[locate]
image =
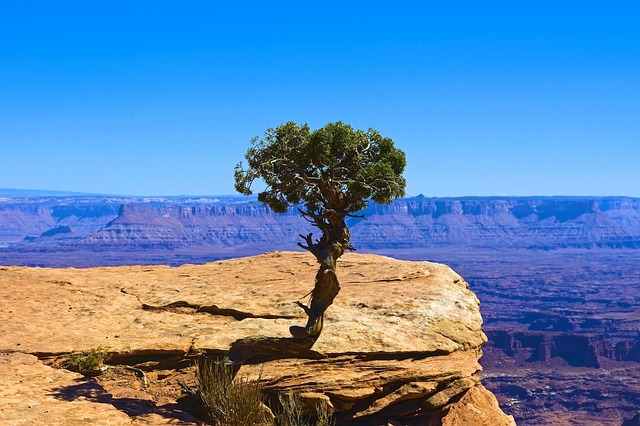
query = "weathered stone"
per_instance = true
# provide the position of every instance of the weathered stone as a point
(33, 394)
(401, 339)
(317, 400)
(478, 407)
(385, 306)
(413, 390)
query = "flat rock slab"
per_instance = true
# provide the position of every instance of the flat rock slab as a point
(385, 306)
(401, 340)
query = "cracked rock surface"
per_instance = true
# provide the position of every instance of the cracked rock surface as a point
(400, 344)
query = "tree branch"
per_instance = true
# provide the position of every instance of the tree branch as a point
(356, 216)
(311, 247)
(304, 307)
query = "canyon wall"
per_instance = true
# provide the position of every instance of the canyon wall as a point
(516, 222)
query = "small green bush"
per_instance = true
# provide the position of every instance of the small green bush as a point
(85, 361)
(228, 401)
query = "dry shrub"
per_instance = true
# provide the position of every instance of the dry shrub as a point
(324, 415)
(295, 413)
(228, 401)
(292, 413)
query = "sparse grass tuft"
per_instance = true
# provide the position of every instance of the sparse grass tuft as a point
(230, 402)
(294, 413)
(241, 402)
(85, 361)
(324, 415)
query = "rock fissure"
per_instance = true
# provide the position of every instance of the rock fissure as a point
(143, 359)
(125, 291)
(184, 307)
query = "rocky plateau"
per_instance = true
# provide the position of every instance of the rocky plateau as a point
(558, 277)
(400, 344)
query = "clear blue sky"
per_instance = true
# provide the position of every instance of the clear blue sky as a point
(162, 98)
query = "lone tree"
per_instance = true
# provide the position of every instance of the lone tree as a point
(329, 174)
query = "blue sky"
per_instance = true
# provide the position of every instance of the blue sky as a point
(162, 98)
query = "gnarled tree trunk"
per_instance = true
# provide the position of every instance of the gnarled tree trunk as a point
(327, 250)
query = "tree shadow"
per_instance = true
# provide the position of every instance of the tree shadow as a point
(87, 388)
(259, 349)
(135, 407)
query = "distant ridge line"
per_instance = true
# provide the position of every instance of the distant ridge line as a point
(43, 193)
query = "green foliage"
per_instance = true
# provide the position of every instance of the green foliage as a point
(86, 361)
(334, 168)
(228, 401)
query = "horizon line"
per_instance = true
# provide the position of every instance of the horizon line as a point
(41, 193)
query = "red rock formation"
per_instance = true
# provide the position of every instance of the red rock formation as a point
(526, 222)
(400, 344)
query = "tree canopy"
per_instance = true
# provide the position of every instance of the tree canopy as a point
(331, 169)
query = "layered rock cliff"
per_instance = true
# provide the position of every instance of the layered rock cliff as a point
(563, 332)
(233, 224)
(172, 226)
(400, 344)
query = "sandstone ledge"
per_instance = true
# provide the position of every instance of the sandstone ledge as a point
(401, 340)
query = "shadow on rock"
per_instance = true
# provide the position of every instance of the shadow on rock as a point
(135, 407)
(259, 349)
(87, 388)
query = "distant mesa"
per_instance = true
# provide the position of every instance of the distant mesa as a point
(238, 226)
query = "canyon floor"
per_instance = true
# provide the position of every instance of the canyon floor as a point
(563, 329)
